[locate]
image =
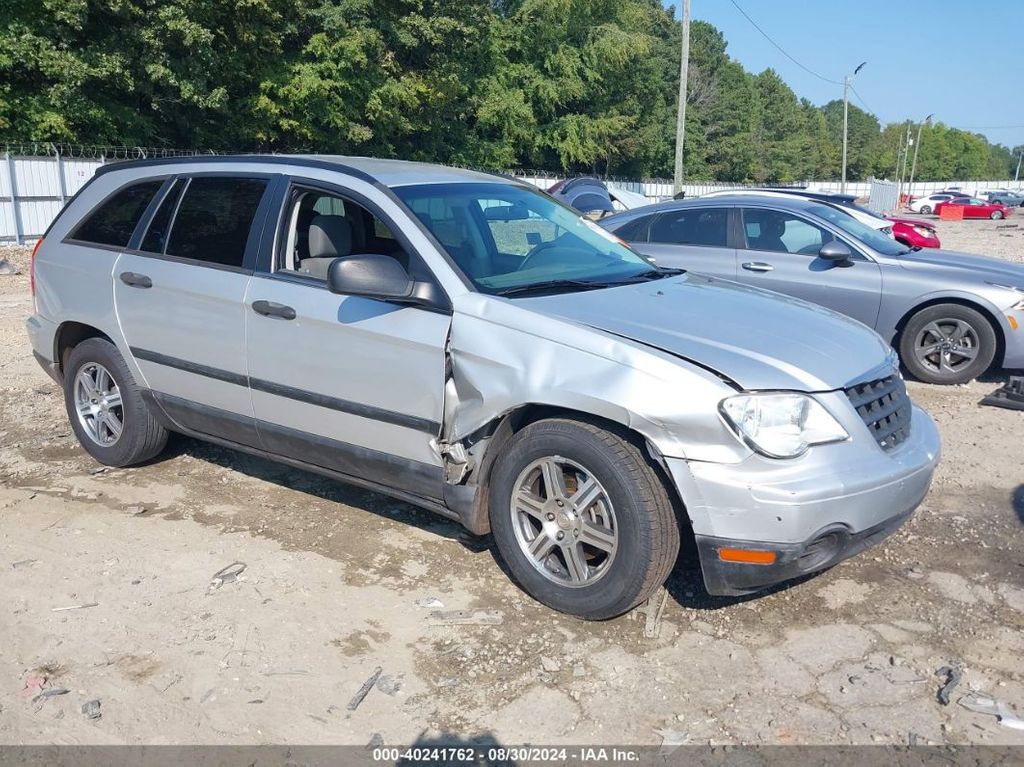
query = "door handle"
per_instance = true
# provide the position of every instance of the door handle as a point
(757, 266)
(270, 309)
(136, 280)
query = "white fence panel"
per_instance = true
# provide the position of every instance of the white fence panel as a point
(41, 186)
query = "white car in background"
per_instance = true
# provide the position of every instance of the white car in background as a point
(860, 213)
(927, 203)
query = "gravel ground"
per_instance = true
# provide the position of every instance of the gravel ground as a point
(999, 239)
(337, 580)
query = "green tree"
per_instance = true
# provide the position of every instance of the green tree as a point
(562, 85)
(863, 133)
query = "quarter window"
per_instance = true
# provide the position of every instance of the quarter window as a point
(213, 220)
(113, 222)
(692, 226)
(635, 230)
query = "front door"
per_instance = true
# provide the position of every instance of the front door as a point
(346, 383)
(781, 254)
(180, 293)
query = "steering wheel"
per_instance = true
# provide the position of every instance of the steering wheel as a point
(534, 252)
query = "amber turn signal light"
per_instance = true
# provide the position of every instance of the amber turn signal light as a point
(747, 556)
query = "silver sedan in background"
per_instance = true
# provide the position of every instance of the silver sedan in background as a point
(950, 316)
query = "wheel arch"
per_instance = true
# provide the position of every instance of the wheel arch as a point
(71, 333)
(977, 306)
(502, 428)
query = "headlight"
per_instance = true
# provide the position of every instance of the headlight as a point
(781, 425)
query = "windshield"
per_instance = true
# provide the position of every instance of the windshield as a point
(506, 238)
(873, 238)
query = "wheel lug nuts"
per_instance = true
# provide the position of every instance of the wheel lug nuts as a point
(559, 503)
(576, 533)
(560, 535)
(551, 517)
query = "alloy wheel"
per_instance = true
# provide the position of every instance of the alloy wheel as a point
(98, 404)
(946, 346)
(564, 522)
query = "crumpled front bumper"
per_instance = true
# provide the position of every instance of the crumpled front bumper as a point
(828, 547)
(812, 512)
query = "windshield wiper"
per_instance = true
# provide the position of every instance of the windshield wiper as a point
(655, 273)
(538, 287)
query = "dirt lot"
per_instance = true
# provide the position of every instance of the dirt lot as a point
(335, 578)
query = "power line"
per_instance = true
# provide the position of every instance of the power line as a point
(987, 127)
(863, 103)
(780, 48)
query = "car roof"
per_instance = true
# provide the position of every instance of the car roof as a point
(788, 202)
(390, 173)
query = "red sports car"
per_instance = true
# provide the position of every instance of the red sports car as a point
(974, 208)
(915, 234)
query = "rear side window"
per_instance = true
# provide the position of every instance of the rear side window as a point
(113, 222)
(213, 220)
(695, 226)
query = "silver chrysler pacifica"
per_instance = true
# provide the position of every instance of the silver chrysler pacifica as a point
(462, 341)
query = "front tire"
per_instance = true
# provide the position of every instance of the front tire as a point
(106, 409)
(582, 519)
(996, 215)
(947, 344)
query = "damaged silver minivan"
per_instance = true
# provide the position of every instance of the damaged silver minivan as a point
(462, 341)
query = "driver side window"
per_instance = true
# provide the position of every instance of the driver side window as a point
(324, 226)
(516, 232)
(778, 232)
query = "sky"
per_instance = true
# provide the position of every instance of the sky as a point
(959, 59)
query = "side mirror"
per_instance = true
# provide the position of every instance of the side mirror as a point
(371, 275)
(835, 251)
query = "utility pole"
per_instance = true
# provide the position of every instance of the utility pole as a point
(1016, 178)
(903, 171)
(917, 145)
(684, 66)
(846, 117)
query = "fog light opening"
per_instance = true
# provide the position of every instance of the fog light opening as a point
(820, 551)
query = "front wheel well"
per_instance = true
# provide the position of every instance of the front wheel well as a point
(502, 428)
(69, 335)
(996, 327)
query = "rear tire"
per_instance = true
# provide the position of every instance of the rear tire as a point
(106, 409)
(596, 560)
(926, 209)
(947, 344)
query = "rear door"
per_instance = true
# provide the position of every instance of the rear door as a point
(179, 293)
(781, 254)
(694, 238)
(348, 383)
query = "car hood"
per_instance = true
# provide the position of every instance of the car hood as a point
(759, 339)
(973, 267)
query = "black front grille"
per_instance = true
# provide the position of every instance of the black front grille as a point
(885, 408)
